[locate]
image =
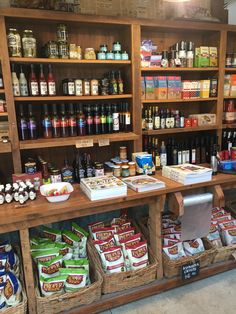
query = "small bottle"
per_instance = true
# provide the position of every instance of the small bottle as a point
(89, 121)
(164, 60)
(163, 155)
(64, 122)
(67, 172)
(149, 121)
(22, 199)
(8, 194)
(56, 122)
(157, 156)
(16, 192)
(46, 123)
(214, 162)
(97, 121)
(113, 89)
(103, 120)
(33, 83)
(126, 118)
(45, 173)
(168, 119)
(89, 170)
(51, 84)
(115, 118)
(23, 84)
(81, 121)
(23, 125)
(2, 195)
(72, 121)
(43, 86)
(193, 153)
(32, 192)
(120, 84)
(15, 83)
(181, 120)
(109, 120)
(32, 126)
(177, 119)
(162, 119)
(157, 120)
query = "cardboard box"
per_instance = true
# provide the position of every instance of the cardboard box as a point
(213, 56)
(186, 88)
(143, 88)
(233, 85)
(204, 57)
(149, 88)
(25, 176)
(160, 87)
(204, 119)
(205, 88)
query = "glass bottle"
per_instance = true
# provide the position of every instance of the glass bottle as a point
(97, 121)
(72, 121)
(67, 172)
(162, 119)
(45, 173)
(120, 84)
(46, 123)
(149, 121)
(103, 120)
(64, 121)
(115, 118)
(56, 122)
(109, 120)
(127, 118)
(23, 125)
(23, 84)
(33, 83)
(163, 155)
(157, 155)
(89, 166)
(89, 121)
(43, 86)
(113, 84)
(81, 121)
(51, 82)
(15, 83)
(79, 169)
(29, 44)
(33, 134)
(157, 120)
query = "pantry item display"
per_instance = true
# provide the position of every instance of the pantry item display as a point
(56, 192)
(143, 183)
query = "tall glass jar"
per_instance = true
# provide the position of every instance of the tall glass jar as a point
(14, 43)
(29, 44)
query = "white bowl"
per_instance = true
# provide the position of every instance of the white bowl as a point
(57, 198)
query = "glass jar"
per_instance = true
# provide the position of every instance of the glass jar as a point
(103, 48)
(117, 171)
(78, 87)
(63, 50)
(132, 168)
(52, 49)
(99, 170)
(73, 52)
(123, 152)
(55, 176)
(94, 87)
(14, 43)
(116, 46)
(29, 44)
(79, 53)
(89, 54)
(124, 55)
(110, 55)
(117, 55)
(62, 33)
(228, 60)
(101, 55)
(36, 183)
(125, 171)
(86, 87)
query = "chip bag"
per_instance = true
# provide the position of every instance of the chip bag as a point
(174, 252)
(51, 233)
(50, 286)
(50, 268)
(80, 232)
(45, 255)
(3, 303)
(12, 290)
(113, 260)
(138, 255)
(76, 278)
(193, 247)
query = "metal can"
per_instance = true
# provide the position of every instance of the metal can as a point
(94, 87)
(99, 169)
(78, 87)
(123, 152)
(55, 176)
(125, 171)
(14, 43)
(62, 33)
(63, 50)
(52, 49)
(29, 44)
(86, 87)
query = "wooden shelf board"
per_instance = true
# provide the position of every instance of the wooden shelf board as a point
(153, 101)
(179, 130)
(71, 141)
(230, 69)
(3, 114)
(69, 61)
(5, 147)
(113, 300)
(72, 98)
(229, 97)
(2, 91)
(153, 69)
(229, 126)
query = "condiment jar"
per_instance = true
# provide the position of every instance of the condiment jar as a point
(125, 171)
(63, 50)
(110, 55)
(116, 46)
(103, 48)
(117, 171)
(101, 55)
(99, 169)
(52, 50)
(124, 55)
(29, 44)
(228, 60)
(86, 87)
(78, 87)
(14, 43)
(117, 55)
(94, 87)
(73, 52)
(132, 168)
(55, 176)
(123, 152)
(89, 54)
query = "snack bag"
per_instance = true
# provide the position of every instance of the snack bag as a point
(193, 247)
(223, 217)
(3, 304)
(103, 245)
(65, 250)
(138, 255)
(51, 268)
(103, 233)
(135, 239)
(229, 235)
(50, 286)
(122, 235)
(119, 220)
(53, 234)
(95, 225)
(42, 247)
(113, 260)
(37, 241)
(175, 251)
(4, 261)
(82, 263)
(45, 255)
(125, 226)
(80, 232)
(70, 238)
(12, 290)
(83, 247)
(169, 242)
(214, 235)
(76, 278)
(5, 247)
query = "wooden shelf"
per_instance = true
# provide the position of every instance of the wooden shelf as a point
(230, 69)
(2, 91)
(69, 61)
(5, 147)
(229, 97)
(72, 98)
(178, 69)
(71, 141)
(157, 101)
(3, 114)
(179, 130)
(229, 126)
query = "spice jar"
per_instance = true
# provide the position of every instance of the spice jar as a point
(124, 55)
(110, 55)
(89, 54)
(123, 152)
(62, 33)
(63, 50)
(86, 87)
(117, 171)
(55, 176)
(132, 168)
(29, 44)
(99, 169)
(125, 171)
(94, 87)
(52, 49)
(103, 48)
(116, 46)
(14, 43)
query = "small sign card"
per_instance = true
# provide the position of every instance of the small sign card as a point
(84, 143)
(190, 270)
(104, 142)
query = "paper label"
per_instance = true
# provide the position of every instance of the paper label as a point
(84, 143)
(104, 142)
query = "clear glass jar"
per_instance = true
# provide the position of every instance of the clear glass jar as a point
(89, 54)
(29, 44)
(14, 43)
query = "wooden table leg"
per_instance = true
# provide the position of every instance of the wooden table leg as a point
(155, 210)
(28, 270)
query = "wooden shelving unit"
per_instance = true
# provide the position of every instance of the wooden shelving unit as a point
(179, 130)
(229, 126)
(3, 114)
(213, 69)
(163, 101)
(5, 147)
(2, 91)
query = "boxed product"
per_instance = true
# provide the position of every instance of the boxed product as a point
(144, 163)
(204, 119)
(203, 58)
(196, 59)
(205, 88)
(213, 56)
(147, 50)
(171, 94)
(227, 85)
(186, 89)
(233, 85)
(160, 87)
(143, 88)
(149, 88)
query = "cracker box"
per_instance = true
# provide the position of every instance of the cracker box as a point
(160, 87)
(171, 87)
(186, 87)
(213, 56)
(205, 88)
(178, 87)
(204, 119)
(149, 88)
(204, 57)
(196, 59)
(227, 85)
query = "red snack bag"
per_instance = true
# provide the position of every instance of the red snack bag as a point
(138, 255)
(95, 225)
(103, 245)
(113, 260)
(122, 235)
(103, 233)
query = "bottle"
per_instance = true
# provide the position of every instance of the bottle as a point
(89, 121)
(103, 120)
(32, 126)
(115, 119)
(51, 82)
(56, 122)
(180, 154)
(22, 199)
(181, 125)
(174, 153)
(193, 152)
(168, 119)
(67, 172)
(79, 168)
(203, 150)
(187, 153)
(43, 86)
(177, 119)
(198, 151)
(8, 193)
(157, 120)
(1, 79)
(214, 163)
(109, 120)
(172, 119)
(32, 192)
(144, 118)
(126, 118)
(97, 121)
(157, 156)
(113, 86)
(33, 83)
(23, 84)
(88, 167)
(163, 119)
(64, 121)
(81, 121)
(120, 83)
(149, 121)
(46, 123)
(45, 173)
(15, 83)
(169, 151)
(184, 153)
(23, 125)
(72, 121)
(163, 155)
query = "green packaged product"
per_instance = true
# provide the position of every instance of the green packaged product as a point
(37, 241)
(76, 278)
(45, 255)
(82, 263)
(80, 232)
(51, 268)
(65, 250)
(79, 245)
(53, 234)
(42, 247)
(50, 286)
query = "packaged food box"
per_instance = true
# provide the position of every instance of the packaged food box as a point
(150, 88)
(143, 88)
(213, 56)
(203, 59)
(233, 85)
(160, 87)
(205, 88)
(204, 119)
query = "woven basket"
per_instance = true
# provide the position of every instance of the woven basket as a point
(173, 268)
(143, 225)
(129, 279)
(67, 301)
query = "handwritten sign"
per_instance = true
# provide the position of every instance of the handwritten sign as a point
(104, 142)
(84, 143)
(190, 270)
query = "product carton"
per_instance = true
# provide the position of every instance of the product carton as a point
(186, 88)
(204, 57)
(196, 59)
(171, 87)
(205, 88)
(213, 56)
(143, 88)
(204, 119)
(233, 85)
(160, 87)
(227, 85)
(178, 87)
(149, 88)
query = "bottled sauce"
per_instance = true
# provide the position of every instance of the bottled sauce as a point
(103, 120)
(14, 43)
(157, 120)
(29, 44)
(113, 90)
(8, 194)
(115, 118)
(214, 162)
(174, 153)
(56, 122)
(15, 83)
(193, 153)
(23, 125)
(67, 172)
(33, 83)
(126, 118)
(51, 84)
(33, 134)
(43, 86)
(79, 169)
(120, 84)
(46, 123)
(81, 121)
(157, 156)
(198, 152)
(72, 121)
(22, 198)
(23, 84)
(97, 121)
(88, 167)
(45, 173)
(64, 121)
(149, 121)
(163, 155)
(162, 119)
(109, 120)
(89, 121)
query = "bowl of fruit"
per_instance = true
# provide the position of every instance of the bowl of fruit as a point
(56, 192)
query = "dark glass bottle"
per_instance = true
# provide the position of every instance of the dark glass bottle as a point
(23, 125)
(174, 153)
(88, 166)
(81, 121)
(127, 118)
(46, 123)
(56, 122)
(198, 151)
(203, 150)
(103, 120)
(64, 121)
(89, 121)
(45, 173)
(109, 120)
(33, 133)
(78, 168)
(193, 152)
(67, 172)
(97, 121)
(115, 118)
(72, 121)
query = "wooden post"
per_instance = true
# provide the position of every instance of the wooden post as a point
(218, 196)
(176, 204)
(155, 210)
(28, 270)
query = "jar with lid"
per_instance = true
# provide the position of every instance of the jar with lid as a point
(101, 55)
(124, 55)
(190, 54)
(172, 58)
(117, 171)
(86, 87)
(78, 87)
(89, 54)
(14, 43)
(63, 50)
(36, 183)
(73, 52)
(228, 60)
(116, 46)
(123, 152)
(94, 87)
(52, 49)
(29, 44)
(68, 87)
(103, 48)
(117, 55)
(132, 168)
(110, 55)
(79, 53)
(125, 171)
(124, 162)
(99, 169)
(62, 33)
(55, 176)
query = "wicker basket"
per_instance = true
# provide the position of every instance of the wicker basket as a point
(67, 301)
(129, 279)
(143, 225)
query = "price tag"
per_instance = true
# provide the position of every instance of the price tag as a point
(104, 142)
(84, 143)
(190, 270)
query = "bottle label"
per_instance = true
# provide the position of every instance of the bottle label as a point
(157, 161)
(51, 88)
(67, 176)
(32, 195)
(97, 120)
(121, 88)
(16, 89)
(163, 159)
(168, 123)
(71, 88)
(32, 125)
(24, 89)
(34, 88)
(23, 125)
(81, 123)
(21, 199)
(103, 119)
(109, 119)
(193, 156)
(116, 123)
(8, 198)
(89, 172)
(16, 196)
(56, 123)
(163, 123)
(90, 120)
(94, 90)
(43, 89)
(81, 173)
(149, 125)
(127, 119)
(180, 160)
(172, 122)
(86, 88)
(157, 123)
(72, 122)
(1, 199)
(64, 123)
(47, 123)
(78, 88)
